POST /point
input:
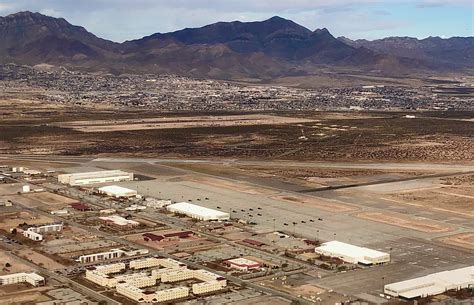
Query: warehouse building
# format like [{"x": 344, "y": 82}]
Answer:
[
  {"x": 95, "y": 177},
  {"x": 242, "y": 264},
  {"x": 119, "y": 221},
  {"x": 432, "y": 284},
  {"x": 173, "y": 236},
  {"x": 22, "y": 277},
  {"x": 117, "y": 191},
  {"x": 197, "y": 212},
  {"x": 353, "y": 254}
]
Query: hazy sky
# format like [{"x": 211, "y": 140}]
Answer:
[{"x": 120, "y": 20}]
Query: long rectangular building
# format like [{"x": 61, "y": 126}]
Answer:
[
  {"x": 95, "y": 177},
  {"x": 197, "y": 212},
  {"x": 112, "y": 254},
  {"x": 117, "y": 191},
  {"x": 22, "y": 277},
  {"x": 432, "y": 284},
  {"x": 353, "y": 254}
]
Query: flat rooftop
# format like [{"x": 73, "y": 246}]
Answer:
[
  {"x": 350, "y": 250},
  {"x": 189, "y": 208},
  {"x": 432, "y": 284},
  {"x": 98, "y": 174}
]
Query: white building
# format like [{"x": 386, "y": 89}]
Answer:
[
  {"x": 353, "y": 254},
  {"x": 53, "y": 227},
  {"x": 31, "y": 172},
  {"x": 6, "y": 203},
  {"x": 112, "y": 254},
  {"x": 156, "y": 203},
  {"x": 95, "y": 177},
  {"x": 60, "y": 212},
  {"x": 22, "y": 277},
  {"x": 119, "y": 221},
  {"x": 117, "y": 191},
  {"x": 33, "y": 235},
  {"x": 34, "y": 232},
  {"x": 432, "y": 284},
  {"x": 243, "y": 264},
  {"x": 135, "y": 207},
  {"x": 197, "y": 212}
]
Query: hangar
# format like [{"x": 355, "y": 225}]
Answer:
[
  {"x": 432, "y": 284},
  {"x": 95, "y": 177},
  {"x": 197, "y": 212},
  {"x": 117, "y": 191},
  {"x": 353, "y": 254}
]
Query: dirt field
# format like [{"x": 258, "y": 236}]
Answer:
[
  {"x": 464, "y": 240},
  {"x": 21, "y": 296},
  {"x": 367, "y": 136},
  {"x": 446, "y": 199},
  {"x": 39, "y": 259},
  {"x": 180, "y": 122},
  {"x": 305, "y": 290},
  {"x": 42, "y": 199},
  {"x": 11, "y": 220},
  {"x": 326, "y": 205},
  {"x": 15, "y": 267},
  {"x": 405, "y": 221},
  {"x": 222, "y": 183}
]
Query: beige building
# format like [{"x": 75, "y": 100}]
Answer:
[
  {"x": 138, "y": 295},
  {"x": 22, "y": 277},
  {"x": 100, "y": 279},
  {"x": 131, "y": 284},
  {"x": 145, "y": 263},
  {"x": 177, "y": 275},
  {"x": 111, "y": 268},
  {"x": 207, "y": 287}
]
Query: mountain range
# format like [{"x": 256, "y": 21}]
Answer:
[{"x": 225, "y": 50}]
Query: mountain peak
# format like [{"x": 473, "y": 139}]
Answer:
[
  {"x": 321, "y": 31},
  {"x": 22, "y": 14},
  {"x": 25, "y": 15},
  {"x": 277, "y": 19}
]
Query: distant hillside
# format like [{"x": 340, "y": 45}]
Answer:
[
  {"x": 457, "y": 51},
  {"x": 227, "y": 50}
]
